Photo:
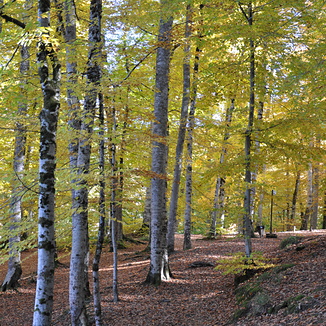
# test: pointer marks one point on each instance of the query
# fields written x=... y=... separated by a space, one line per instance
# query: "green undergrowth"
x=238 y=263
x=290 y=241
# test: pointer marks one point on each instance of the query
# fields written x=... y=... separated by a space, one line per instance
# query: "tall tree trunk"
x=119 y=193
x=181 y=134
x=324 y=213
x=191 y=124
x=248 y=140
x=79 y=253
x=14 y=263
x=101 y=226
x=120 y=176
x=190 y=128
x=114 y=221
x=219 y=188
x=294 y=201
x=307 y=214
x=315 y=194
x=159 y=269
x=254 y=174
x=74 y=121
x=46 y=58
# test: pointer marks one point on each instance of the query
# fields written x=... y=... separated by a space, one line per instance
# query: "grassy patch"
x=239 y=263
x=282 y=268
x=290 y=241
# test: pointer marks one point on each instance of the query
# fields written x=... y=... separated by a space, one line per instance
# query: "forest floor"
x=294 y=294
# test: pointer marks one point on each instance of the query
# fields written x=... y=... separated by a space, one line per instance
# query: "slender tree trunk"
x=119 y=193
x=294 y=201
x=120 y=176
x=181 y=135
x=159 y=260
x=102 y=213
x=46 y=58
x=315 y=194
x=191 y=123
x=307 y=214
x=78 y=281
x=260 y=208
x=147 y=209
x=14 y=263
x=254 y=174
x=219 y=188
x=248 y=141
x=114 y=221
x=190 y=128
x=324 y=212
x=78 y=285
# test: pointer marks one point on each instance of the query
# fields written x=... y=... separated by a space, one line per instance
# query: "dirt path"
x=196 y=296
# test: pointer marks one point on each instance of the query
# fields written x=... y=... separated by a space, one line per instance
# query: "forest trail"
x=196 y=296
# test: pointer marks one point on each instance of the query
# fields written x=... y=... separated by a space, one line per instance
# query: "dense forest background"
x=176 y=116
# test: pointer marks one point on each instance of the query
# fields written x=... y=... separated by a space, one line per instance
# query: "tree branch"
x=242 y=10
x=12 y=20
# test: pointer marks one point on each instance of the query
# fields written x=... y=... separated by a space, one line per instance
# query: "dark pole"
x=271 y=222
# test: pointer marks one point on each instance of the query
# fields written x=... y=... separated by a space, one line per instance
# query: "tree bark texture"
x=102 y=218
x=74 y=121
x=46 y=58
x=181 y=136
x=248 y=141
x=190 y=128
x=78 y=284
x=159 y=157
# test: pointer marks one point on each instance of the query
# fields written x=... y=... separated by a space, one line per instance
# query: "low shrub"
x=290 y=241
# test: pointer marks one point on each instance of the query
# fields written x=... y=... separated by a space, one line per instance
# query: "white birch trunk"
x=47 y=165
